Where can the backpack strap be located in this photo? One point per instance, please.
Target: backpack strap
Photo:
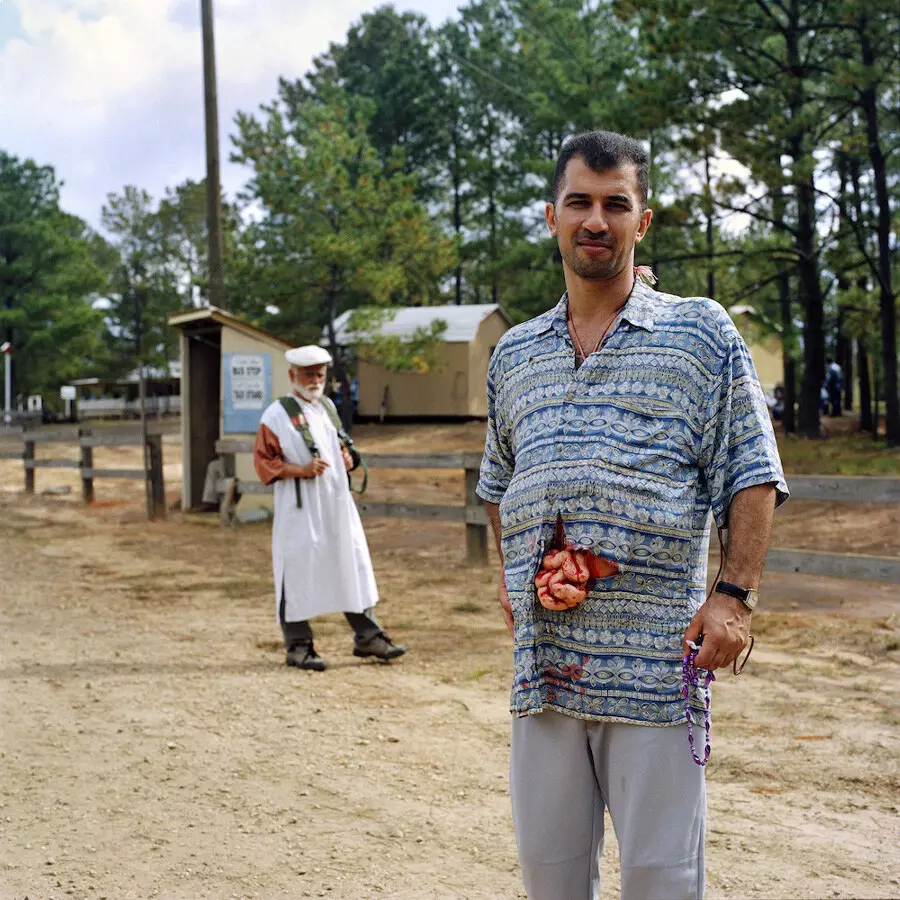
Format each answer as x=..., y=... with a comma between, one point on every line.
x=347, y=442
x=298, y=420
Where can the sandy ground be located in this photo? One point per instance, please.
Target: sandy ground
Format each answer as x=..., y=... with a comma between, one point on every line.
x=153, y=744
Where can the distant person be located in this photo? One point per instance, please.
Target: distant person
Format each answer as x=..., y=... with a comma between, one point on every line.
x=619, y=418
x=777, y=405
x=834, y=382
x=319, y=552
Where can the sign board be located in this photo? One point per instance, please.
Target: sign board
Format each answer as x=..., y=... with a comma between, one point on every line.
x=35, y=403
x=67, y=392
x=247, y=390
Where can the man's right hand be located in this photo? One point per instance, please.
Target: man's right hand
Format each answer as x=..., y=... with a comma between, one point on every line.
x=314, y=469
x=505, y=605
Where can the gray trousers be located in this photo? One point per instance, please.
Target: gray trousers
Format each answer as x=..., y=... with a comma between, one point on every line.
x=564, y=773
x=299, y=634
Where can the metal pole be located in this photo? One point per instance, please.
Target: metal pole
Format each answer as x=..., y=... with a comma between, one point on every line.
x=213, y=181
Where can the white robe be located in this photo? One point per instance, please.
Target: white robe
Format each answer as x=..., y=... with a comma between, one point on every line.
x=319, y=552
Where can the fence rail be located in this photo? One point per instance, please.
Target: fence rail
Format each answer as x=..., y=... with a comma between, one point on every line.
x=86, y=440
x=843, y=489
x=472, y=514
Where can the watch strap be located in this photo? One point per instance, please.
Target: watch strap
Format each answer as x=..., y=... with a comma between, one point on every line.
x=732, y=590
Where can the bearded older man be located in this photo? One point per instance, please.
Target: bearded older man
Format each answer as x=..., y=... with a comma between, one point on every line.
x=319, y=552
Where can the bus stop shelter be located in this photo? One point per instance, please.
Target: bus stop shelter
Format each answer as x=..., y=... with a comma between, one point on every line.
x=230, y=372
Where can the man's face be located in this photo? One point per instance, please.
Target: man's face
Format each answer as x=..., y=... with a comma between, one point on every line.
x=597, y=220
x=309, y=381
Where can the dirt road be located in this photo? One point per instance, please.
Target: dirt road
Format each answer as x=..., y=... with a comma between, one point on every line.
x=153, y=744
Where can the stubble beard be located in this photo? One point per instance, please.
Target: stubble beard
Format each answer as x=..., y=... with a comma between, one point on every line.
x=593, y=269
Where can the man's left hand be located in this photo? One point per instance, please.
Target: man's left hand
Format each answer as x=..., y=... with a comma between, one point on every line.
x=724, y=623
x=348, y=459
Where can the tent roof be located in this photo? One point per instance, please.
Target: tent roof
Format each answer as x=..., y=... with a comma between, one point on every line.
x=462, y=321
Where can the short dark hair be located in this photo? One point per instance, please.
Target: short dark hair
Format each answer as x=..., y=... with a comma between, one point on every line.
x=603, y=150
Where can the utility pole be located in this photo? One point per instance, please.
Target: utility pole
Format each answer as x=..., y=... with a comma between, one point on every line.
x=213, y=181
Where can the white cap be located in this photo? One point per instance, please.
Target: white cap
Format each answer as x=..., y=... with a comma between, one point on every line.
x=311, y=355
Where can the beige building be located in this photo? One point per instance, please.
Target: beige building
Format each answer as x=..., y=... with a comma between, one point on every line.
x=765, y=348
x=455, y=388
x=230, y=372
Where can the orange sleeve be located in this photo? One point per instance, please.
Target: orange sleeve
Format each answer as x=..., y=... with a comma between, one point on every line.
x=267, y=456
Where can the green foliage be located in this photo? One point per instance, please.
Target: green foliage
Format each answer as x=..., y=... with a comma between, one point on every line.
x=340, y=226
x=51, y=272
x=415, y=353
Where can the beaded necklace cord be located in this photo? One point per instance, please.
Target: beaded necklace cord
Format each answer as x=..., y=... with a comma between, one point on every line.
x=645, y=275
x=690, y=677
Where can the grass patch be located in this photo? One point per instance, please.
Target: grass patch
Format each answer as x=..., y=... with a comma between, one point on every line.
x=839, y=454
x=467, y=606
x=479, y=673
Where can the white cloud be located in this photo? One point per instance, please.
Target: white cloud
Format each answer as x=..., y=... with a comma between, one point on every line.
x=110, y=92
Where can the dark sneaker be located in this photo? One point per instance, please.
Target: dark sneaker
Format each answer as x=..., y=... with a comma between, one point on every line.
x=380, y=646
x=306, y=658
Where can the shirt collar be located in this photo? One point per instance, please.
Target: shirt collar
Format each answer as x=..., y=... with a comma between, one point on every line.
x=638, y=310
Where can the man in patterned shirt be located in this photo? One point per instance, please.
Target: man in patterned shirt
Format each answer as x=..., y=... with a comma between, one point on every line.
x=629, y=414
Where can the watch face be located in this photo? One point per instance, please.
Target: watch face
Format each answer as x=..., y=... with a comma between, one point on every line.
x=752, y=599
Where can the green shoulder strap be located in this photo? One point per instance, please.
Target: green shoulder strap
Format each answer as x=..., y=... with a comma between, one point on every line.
x=347, y=441
x=295, y=414
x=298, y=420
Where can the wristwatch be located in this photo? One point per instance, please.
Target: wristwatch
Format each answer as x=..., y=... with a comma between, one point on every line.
x=748, y=596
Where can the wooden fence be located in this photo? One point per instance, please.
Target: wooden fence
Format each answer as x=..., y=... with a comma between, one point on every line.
x=87, y=439
x=843, y=489
x=472, y=513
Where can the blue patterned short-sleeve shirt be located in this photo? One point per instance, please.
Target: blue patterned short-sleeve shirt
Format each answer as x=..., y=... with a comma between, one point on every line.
x=633, y=449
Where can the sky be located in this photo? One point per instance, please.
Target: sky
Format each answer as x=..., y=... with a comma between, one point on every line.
x=110, y=92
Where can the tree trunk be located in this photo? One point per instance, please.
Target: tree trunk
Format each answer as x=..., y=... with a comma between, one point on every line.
x=788, y=338
x=805, y=243
x=847, y=365
x=866, y=420
x=710, y=232
x=789, y=367
x=340, y=363
x=654, y=230
x=492, y=216
x=457, y=216
x=887, y=305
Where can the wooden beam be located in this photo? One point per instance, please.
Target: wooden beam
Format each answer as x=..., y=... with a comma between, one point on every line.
x=411, y=511
x=414, y=461
x=844, y=488
x=379, y=460
x=13, y=454
x=99, y=440
x=28, y=456
x=235, y=445
x=245, y=487
x=125, y=474
x=58, y=436
x=476, y=534
x=52, y=464
x=476, y=515
x=835, y=565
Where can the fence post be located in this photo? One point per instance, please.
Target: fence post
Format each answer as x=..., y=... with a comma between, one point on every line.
x=87, y=465
x=476, y=535
x=229, y=498
x=156, y=488
x=28, y=456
